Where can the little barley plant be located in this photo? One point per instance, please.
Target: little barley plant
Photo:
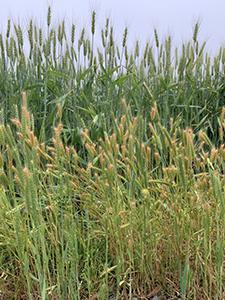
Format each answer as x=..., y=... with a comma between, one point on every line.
x=104, y=196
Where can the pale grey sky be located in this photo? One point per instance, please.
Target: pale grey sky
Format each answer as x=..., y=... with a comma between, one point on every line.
x=141, y=16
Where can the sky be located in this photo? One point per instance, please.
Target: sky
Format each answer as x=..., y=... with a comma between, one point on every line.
x=175, y=17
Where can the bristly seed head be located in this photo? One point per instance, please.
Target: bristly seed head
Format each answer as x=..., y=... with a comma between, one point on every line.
x=125, y=37
x=93, y=22
x=49, y=16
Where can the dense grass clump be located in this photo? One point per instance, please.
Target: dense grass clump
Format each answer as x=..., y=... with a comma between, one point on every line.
x=104, y=196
